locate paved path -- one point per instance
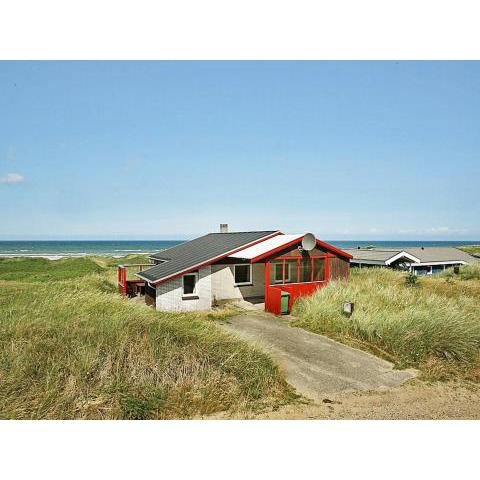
(314, 364)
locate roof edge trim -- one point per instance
(339, 251)
(400, 255)
(323, 244)
(274, 250)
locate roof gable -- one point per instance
(401, 255)
(278, 243)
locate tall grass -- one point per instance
(471, 249)
(467, 272)
(414, 326)
(73, 348)
(43, 270)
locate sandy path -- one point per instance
(415, 400)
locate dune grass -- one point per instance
(471, 249)
(469, 272)
(433, 326)
(43, 270)
(71, 347)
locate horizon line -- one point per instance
(186, 239)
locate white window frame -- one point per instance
(287, 272)
(195, 293)
(235, 271)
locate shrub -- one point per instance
(411, 280)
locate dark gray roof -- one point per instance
(425, 255)
(373, 254)
(440, 254)
(202, 250)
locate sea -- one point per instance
(55, 249)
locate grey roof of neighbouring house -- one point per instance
(425, 255)
(440, 254)
(373, 254)
(202, 250)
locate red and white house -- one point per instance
(251, 266)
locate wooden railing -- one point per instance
(122, 275)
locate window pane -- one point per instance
(278, 272)
(305, 270)
(318, 269)
(189, 284)
(291, 271)
(242, 273)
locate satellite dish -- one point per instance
(309, 241)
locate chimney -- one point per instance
(224, 228)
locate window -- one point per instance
(318, 269)
(422, 270)
(190, 284)
(243, 274)
(279, 272)
(305, 270)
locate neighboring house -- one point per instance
(419, 260)
(252, 266)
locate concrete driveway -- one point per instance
(314, 364)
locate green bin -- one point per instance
(284, 303)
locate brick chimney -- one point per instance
(224, 228)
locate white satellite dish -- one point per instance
(309, 241)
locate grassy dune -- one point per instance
(471, 249)
(433, 326)
(73, 348)
(43, 270)
(472, 272)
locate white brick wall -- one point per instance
(223, 283)
(214, 281)
(169, 294)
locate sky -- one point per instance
(169, 150)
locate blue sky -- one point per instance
(146, 150)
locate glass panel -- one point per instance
(288, 272)
(276, 272)
(305, 270)
(291, 271)
(422, 270)
(189, 284)
(318, 269)
(242, 273)
(278, 268)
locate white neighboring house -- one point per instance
(261, 267)
(419, 260)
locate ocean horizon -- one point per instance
(120, 248)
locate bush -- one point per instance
(411, 280)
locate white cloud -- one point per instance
(11, 179)
(440, 230)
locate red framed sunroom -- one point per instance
(292, 268)
(297, 276)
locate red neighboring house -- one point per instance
(260, 266)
